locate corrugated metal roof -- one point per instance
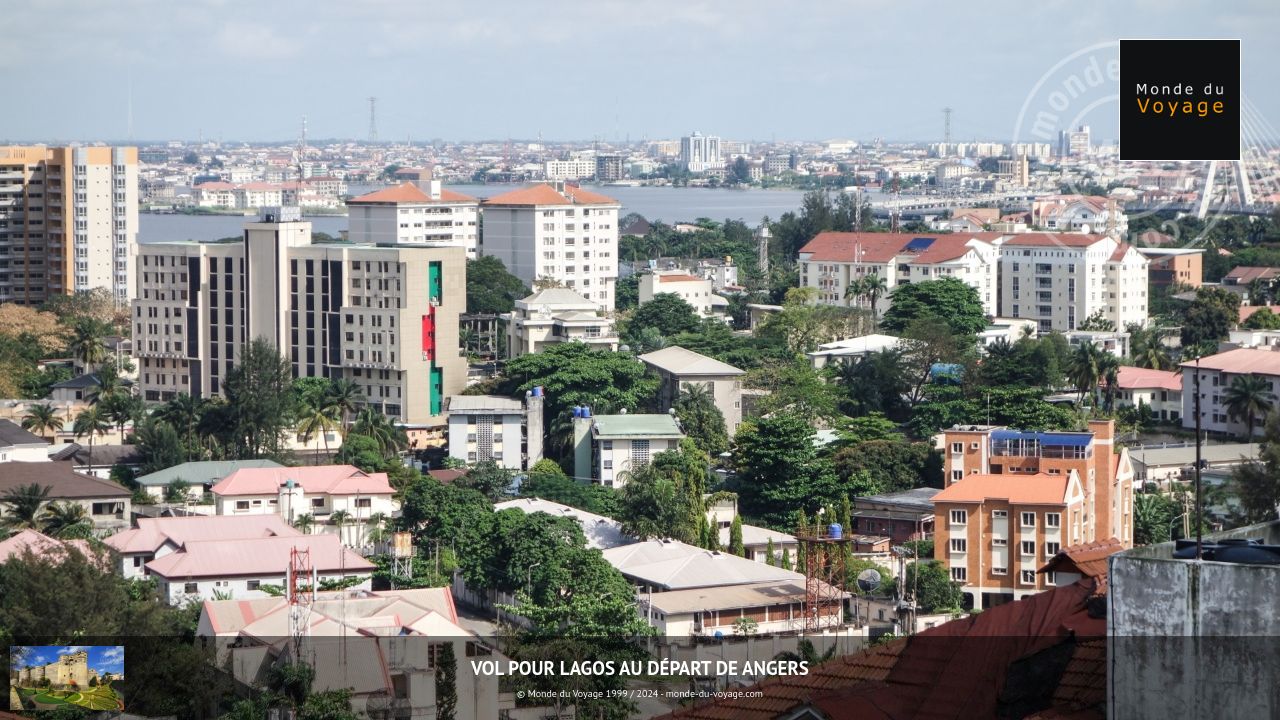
(640, 425)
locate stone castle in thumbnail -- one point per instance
(67, 670)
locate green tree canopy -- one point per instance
(667, 313)
(950, 299)
(701, 420)
(932, 587)
(491, 289)
(259, 394)
(780, 471)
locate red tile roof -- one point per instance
(1087, 559)
(1136, 378)
(1244, 274)
(1241, 361)
(409, 193)
(544, 194)
(1037, 489)
(883, 247)
(957, 669)
(1121, 250)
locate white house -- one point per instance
(556, 315)
(1159, 390)
(680, 368)
(697, 291)
(601, 532)
(318, 490)
(237, 569)
(199, 475)
(488, 427)
(19, 445)
(107, 504)
(156, 537)
(385, 646)
(850, 350)
(1216, 373)
(606, 447)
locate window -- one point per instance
(317, 502)
(254, 584)
(608, 464)
(1029, 547)
(191, 588)
(242, 505)
(959, 517)
(1028, 577)
(959, 545)
(364, 502)
(1051, 549)
(1028, 519)
(137, 561)
(1053, 520)
(959, 574)
(999, 571)
(999, 514)
(957, 447)
(999, 542)
(606, 444)
(957, 475)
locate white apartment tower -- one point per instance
(68, 221)
(700, 152)
(408, 215)
(1059, 280)
(383, 317)
(556, 232)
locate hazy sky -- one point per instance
(569, 69)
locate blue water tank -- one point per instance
(577, 411)
(586, 411)
(537, 391)
(835, 531)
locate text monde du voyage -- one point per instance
(1180, 99)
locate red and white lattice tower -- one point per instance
(301, 594)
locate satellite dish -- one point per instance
(869, 579)
(379, 704)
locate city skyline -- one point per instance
(611, 71)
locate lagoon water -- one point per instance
(669, 204)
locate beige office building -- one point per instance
(68, 221)
(383, 317)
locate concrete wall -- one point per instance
(1193, 639)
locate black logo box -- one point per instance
(1187, 69)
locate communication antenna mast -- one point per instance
(373, 119)
(762, 245)
(895, 216)
(301, 597)
(946, 126)
(824, 548)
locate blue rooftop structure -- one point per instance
(919, 244)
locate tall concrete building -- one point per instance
(68, 221)
(700, 152)
(413, 215)
(1059, 280)
(384, 317)
(556, 232)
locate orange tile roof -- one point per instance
(1121, 250)
(678, 278)
(1065, 239)
(544, 194)
(1037, 489)
(1241, 361)
(409, 193)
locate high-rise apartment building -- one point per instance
(1014, 498)
(412, 215)
(556, 232)
(1075, 143)
(68, 221)
(1061, 279)
(385, 318)
(700, 152)
(609, 168)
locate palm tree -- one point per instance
(1087, 368)
(1248, 396)
(340, 519)
(86, 344)
(66, 520)
(91, 421)
(121, 408)
(317, 420)
(873, 286)
(182, 411)
(1111, 376)
(370, 421)
(304, 523)
(42, 419)
(1148, 348)
(108, 383)
(24, 503)
(345, 397)
(855, 289)
(376, 528)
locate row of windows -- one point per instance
(1051, 520)
(1027, 577)
(1028, 547)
